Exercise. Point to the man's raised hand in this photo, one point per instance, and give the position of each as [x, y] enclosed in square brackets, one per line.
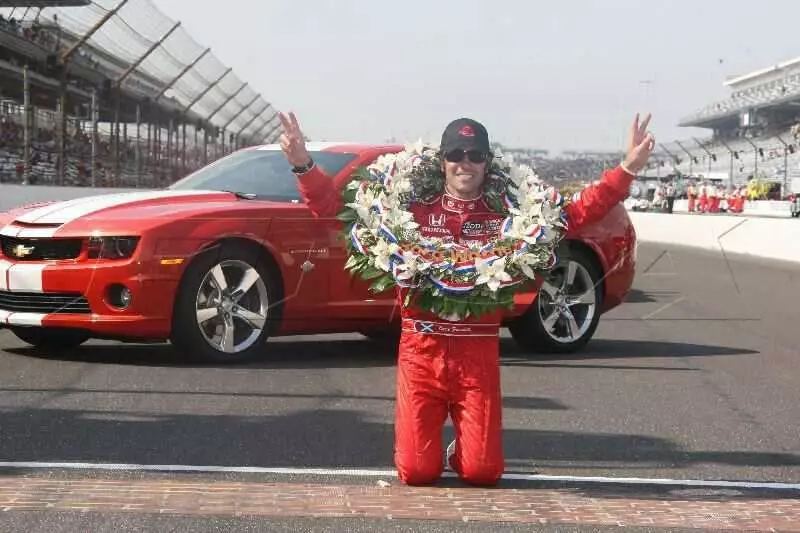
[640, 145]
[293, 142]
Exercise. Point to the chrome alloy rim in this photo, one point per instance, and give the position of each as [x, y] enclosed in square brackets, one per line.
[567, 302]
[232, 306]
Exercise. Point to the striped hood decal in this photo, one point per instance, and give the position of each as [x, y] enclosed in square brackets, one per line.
[51, 217]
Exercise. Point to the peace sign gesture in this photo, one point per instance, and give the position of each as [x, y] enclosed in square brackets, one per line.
[640, 145]
[293, 142]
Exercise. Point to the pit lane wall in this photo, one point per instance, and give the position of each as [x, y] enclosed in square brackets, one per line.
[761, 208]
[763, 236]
[767, 237]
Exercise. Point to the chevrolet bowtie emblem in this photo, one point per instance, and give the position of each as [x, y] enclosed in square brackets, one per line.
[21, 250]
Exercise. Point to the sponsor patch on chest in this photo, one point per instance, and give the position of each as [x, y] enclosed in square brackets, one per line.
[480, 227]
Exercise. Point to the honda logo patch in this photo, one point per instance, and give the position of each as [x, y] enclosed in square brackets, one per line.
[436, 221]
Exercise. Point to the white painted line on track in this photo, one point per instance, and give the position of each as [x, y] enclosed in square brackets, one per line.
[365, 472]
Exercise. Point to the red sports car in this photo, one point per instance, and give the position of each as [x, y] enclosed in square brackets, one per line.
[229, 256]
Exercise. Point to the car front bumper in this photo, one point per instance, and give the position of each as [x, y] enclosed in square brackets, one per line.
[80, 295]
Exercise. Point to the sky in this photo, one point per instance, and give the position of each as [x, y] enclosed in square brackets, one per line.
[556, 75]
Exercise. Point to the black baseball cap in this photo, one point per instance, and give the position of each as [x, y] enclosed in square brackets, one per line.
[466, 134]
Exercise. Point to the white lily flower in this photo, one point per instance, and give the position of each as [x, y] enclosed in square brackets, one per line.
[414, 148]
[549, 235]
[383, 252]
[519, 176]
[533, 206]
[401, 186]
[397, 218]
[524, 262]
[547, 214]
[491, 272]
[411, 266]
[362, 211]
[521, 229]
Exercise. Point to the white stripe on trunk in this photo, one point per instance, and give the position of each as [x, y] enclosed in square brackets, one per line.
[4, 316]
[26, 277]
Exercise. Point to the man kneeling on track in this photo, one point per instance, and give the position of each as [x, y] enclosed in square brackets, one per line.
[444, 370]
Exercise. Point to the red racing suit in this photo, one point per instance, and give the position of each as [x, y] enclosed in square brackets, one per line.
[453, 367]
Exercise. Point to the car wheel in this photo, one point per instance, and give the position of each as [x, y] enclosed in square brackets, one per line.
[226, 305]
[566, 312]
[51, 338]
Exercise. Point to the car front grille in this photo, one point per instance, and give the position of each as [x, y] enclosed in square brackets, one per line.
[43, 302]
[21, 249]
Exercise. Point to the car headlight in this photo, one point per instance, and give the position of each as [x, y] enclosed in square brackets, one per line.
[112, 247]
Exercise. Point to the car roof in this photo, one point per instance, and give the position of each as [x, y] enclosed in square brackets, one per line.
[339, 147]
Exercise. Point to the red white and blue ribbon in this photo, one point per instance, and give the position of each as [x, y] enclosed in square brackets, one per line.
[394, 265]
[356, 241]
[535, 231]
[458, 287]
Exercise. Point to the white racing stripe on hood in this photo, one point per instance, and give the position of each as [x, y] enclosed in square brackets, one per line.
[72, 210]
[10, 231]
[33, 215]
[32, 233]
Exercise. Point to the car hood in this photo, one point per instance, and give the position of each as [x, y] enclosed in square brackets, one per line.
[129, 212]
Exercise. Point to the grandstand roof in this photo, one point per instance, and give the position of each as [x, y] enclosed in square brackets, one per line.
[776, 87]
[764, 74]
[136, 33]
[44, 3]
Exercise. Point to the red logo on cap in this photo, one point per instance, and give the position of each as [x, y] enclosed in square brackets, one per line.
[466, 131]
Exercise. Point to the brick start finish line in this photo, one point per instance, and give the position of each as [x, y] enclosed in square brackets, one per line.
[561, 506]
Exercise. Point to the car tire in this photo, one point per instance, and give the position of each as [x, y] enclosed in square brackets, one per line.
[51, 338]
[545, 327]
[205, 310]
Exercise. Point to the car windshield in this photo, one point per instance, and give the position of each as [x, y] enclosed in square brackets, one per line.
[264, 174]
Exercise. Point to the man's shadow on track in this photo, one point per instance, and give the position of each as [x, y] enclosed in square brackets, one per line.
[362, 353]
[322, 438]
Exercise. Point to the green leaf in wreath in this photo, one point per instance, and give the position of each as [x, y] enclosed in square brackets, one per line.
[371, 272]
[382, 284]
[353, 261]
[348, 215]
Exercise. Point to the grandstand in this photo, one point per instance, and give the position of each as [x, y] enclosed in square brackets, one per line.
[565, 168]
[114, 93]
[754, 133]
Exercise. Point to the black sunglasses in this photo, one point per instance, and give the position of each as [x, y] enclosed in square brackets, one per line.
[457, 155]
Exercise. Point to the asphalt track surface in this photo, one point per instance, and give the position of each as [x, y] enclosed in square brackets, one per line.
[694, 377]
